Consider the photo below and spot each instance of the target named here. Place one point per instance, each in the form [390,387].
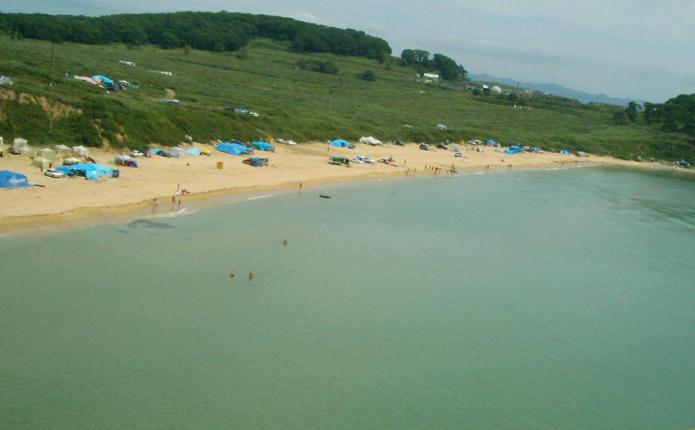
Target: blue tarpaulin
[339,143]
[490,142]
[194,151]
[262,145]
[88,170]
[565,152]
[233,148]
[103,79]
[9,179]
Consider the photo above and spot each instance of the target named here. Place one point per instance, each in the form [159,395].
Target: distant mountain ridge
[557,90]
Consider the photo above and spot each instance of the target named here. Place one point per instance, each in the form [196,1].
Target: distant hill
[557,90]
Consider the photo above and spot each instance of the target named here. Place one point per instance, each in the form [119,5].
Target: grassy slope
[292,103]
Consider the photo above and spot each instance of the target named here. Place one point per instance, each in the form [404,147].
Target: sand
[158,177]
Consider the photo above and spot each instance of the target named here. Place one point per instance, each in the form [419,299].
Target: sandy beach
[159,178]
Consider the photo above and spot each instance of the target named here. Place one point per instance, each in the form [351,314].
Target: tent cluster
[234,148]
[514,149]
[237,147]
[91,171]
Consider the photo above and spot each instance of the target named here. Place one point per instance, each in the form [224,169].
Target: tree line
[221,31]
[677,114]
[423,61]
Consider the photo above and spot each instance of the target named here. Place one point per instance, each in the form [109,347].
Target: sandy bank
[158,177]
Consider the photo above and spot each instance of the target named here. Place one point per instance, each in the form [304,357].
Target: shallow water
[544,300]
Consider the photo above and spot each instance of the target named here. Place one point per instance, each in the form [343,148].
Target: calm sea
[515,300]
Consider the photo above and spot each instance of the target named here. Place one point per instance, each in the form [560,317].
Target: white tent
[20,146]
[62,149]
[80,151]
[47,153]
[42,162]
[371,141]
[177,152]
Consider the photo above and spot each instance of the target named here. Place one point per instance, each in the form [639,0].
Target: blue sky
[627,48]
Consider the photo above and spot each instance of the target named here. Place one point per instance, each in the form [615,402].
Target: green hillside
[291,102]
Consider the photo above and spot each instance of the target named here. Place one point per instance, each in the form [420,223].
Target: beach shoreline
[63,203]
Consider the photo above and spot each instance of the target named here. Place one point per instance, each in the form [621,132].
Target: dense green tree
[222,31]
[631,111]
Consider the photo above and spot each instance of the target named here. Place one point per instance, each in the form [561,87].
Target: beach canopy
[565,152]
[262,145]
[339,143]
[88,170]
[9,179]
[194,151]
[233,148]
[490,142]
[455,147]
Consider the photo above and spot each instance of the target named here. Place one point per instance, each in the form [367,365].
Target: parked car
[135,153]
[53,173]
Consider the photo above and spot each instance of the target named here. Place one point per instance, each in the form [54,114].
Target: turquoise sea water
[524,300]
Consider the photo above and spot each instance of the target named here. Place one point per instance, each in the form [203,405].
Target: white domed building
[496,90]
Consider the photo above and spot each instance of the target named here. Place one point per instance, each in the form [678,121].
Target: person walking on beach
[155,205]
[301,184]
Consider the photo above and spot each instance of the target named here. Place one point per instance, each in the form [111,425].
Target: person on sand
[301,184]
[179,204]
[155,205]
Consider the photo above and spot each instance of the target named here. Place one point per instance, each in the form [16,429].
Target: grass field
[292,103]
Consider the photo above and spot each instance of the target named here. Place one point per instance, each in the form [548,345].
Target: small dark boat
[324,196]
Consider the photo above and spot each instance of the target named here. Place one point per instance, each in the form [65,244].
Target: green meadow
[47,105]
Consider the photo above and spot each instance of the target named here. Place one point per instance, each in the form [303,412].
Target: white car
[357,160]
[53,173]
[135,153]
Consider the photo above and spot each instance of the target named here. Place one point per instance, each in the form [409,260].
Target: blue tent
[262,145]
[194,151]
[233,148]
[10,179]
[565,152]
[490,142]
[339,143]
[88,170]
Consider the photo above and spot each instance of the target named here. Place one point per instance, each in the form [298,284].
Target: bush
[367,75]
[318,66]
